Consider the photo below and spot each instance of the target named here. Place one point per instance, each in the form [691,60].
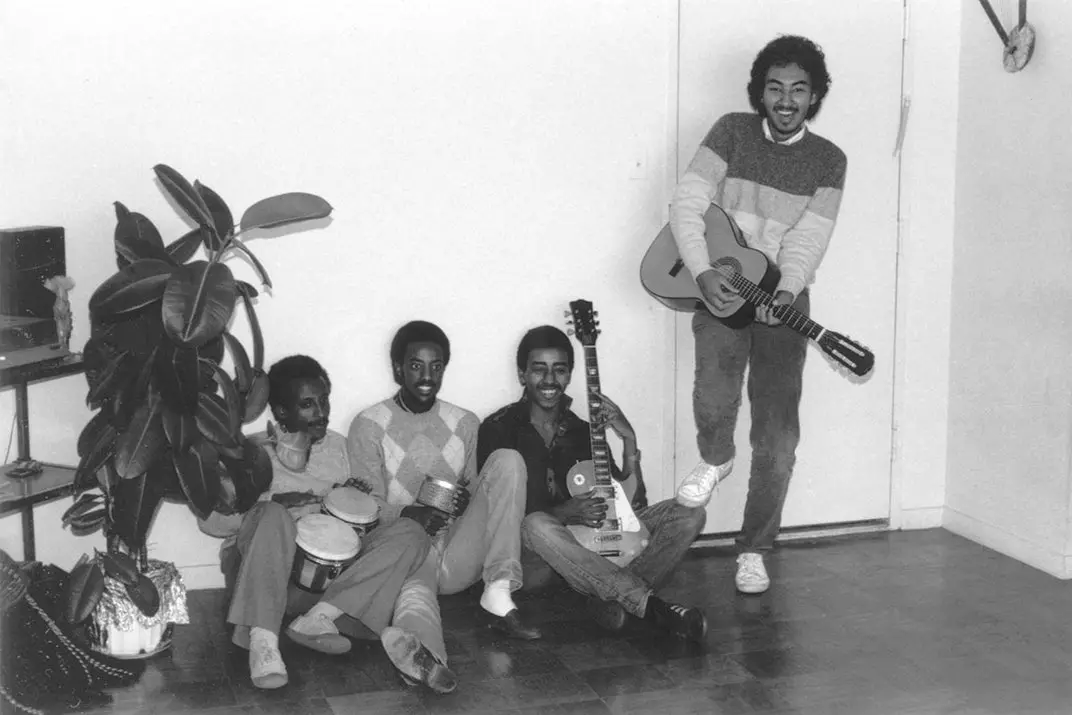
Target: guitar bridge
[676,268]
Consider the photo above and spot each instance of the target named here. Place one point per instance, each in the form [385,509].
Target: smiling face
[546,377]
[307,408]
[421,375]
[787,97]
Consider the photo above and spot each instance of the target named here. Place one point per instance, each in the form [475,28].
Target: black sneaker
[608,615]
[682,621]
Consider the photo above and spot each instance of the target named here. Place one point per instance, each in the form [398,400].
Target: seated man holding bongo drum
[309,461]
[413,440]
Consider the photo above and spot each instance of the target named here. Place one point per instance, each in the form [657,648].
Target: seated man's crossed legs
[616,592]
[366,590]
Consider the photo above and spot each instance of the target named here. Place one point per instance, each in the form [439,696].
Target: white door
[842,472]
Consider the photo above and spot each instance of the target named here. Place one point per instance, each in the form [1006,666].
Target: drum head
[352,505]
[327,538]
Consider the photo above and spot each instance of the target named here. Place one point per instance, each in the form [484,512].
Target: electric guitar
[752,274]
[622,536]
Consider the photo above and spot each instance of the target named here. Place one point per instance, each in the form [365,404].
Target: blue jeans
[775,361]
[551,548]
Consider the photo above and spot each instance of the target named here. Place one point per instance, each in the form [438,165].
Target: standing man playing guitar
[782,185]
[551,440]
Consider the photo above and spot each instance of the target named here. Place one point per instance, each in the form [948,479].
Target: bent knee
[538,523]
[506,464]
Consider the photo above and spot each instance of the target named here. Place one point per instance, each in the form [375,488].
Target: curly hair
[790,50]
[285,372]
[418,331]
[545,336]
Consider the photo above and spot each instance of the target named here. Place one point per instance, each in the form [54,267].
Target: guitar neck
[598,435]
[786,313]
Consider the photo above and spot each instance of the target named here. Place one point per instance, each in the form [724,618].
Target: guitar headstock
[584,321]
[847,352]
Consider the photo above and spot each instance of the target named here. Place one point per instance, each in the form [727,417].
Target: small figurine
[61,310]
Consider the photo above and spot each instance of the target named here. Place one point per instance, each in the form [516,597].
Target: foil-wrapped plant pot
[118,628]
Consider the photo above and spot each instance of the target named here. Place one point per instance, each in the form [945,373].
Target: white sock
[263,635]
[496,599]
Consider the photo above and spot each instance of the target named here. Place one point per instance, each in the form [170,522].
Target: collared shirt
[787,142]
[547,466]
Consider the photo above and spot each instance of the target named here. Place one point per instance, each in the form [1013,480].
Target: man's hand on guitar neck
[765,315]
[586,510]
[716,289]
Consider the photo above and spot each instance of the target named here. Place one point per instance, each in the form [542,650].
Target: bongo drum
[353,506]
[438,494]
[326,546]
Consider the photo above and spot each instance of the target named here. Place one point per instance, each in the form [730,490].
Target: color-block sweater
[393,450]
[784,197]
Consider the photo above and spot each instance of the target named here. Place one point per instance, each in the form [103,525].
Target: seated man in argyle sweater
[394,445]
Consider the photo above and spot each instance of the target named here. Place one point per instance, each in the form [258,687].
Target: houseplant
[168,413]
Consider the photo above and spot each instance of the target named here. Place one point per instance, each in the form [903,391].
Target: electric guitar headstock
[846,352]
[584,320]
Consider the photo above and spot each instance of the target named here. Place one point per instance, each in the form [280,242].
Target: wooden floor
[916,622]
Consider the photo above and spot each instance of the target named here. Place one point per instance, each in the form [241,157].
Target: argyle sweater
[784,197]
[393,449]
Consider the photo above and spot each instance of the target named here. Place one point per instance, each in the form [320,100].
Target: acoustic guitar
[622,536]
[752,274]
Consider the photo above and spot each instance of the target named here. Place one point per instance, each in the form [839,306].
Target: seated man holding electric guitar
[579,521]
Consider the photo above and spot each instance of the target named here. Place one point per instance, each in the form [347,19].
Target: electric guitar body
[622,536]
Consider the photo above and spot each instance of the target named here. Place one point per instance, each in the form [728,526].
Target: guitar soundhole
[730,263]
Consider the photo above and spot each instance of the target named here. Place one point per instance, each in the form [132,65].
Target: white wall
[928,172]
[1009,426]
[488,162]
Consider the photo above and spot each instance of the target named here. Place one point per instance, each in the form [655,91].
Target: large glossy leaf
[95,457]
[111,378]
[184,194]
[257,265]
[135,503]
[256,398]
[91,432]
[284,209]
[221,214]
[231,398]
[213,420]
[198,302]
[254,327]
[250,475]
[180,430]
[141,443]
[183,249]
[133,394]
[82,505]
[136,237]
[176,377]
[199,475]
[136,286]
[83,591]
[243,370]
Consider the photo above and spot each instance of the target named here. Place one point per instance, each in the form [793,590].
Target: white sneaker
[751,574]
[266,668]
[696,489]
